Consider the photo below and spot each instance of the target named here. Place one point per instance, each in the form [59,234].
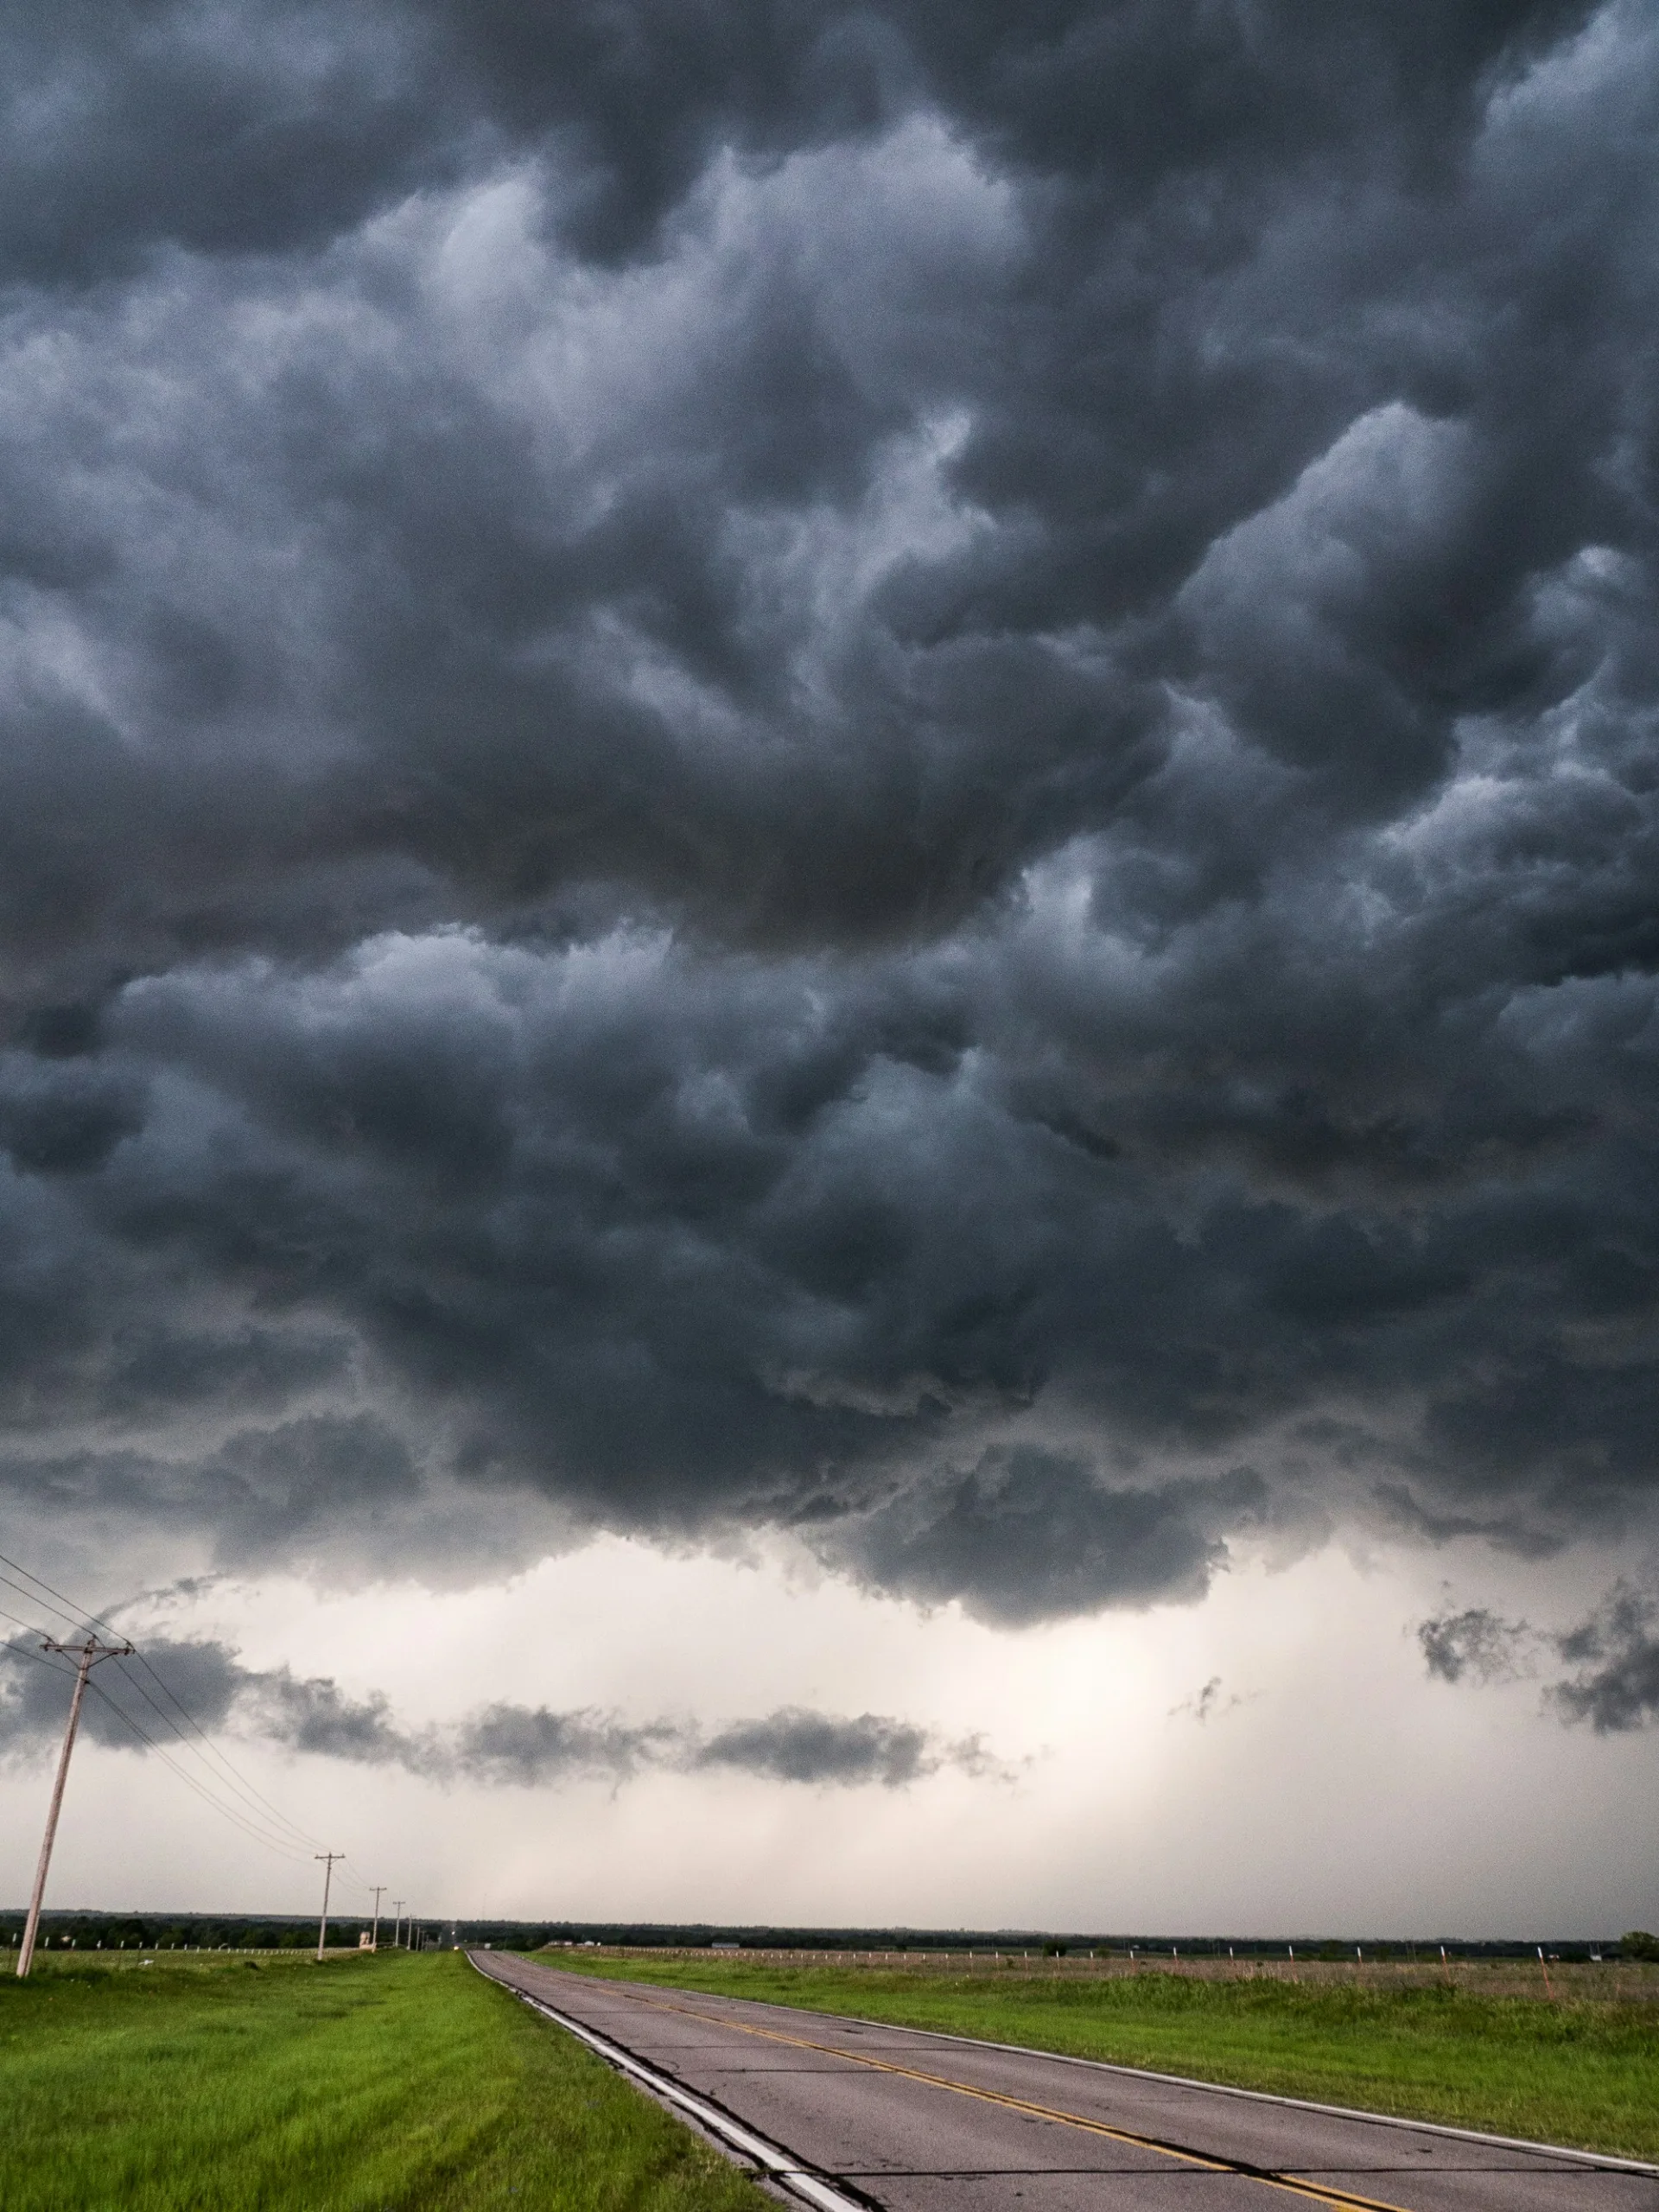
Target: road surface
[856,2114]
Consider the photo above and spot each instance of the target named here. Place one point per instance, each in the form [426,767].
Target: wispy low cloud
[504,1745]
[1209,1704]
[1614,1655]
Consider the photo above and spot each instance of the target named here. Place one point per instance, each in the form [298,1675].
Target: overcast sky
[829,896]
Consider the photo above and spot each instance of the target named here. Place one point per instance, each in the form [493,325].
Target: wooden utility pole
[327,1859]
[380,1891]
[86,1656]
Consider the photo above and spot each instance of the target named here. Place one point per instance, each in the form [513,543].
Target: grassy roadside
[1580,2073]
[365,2084]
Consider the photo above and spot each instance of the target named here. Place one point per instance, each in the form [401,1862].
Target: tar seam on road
[1319,2192]
[779,2164]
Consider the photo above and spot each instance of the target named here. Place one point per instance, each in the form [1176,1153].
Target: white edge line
[773,2159]
[1601,2158]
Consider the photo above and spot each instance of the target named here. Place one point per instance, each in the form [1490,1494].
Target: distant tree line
[88,1931]
[660,1936]
[270,1931]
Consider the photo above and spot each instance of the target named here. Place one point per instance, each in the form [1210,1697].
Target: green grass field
[1580,2073]
[363,2085]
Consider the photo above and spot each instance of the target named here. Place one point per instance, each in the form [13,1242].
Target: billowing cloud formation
[796,1746]
[883,772]
[204,1682]
[1615,1652]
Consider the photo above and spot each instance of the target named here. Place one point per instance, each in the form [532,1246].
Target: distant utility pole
[86,1656]
[396,1922]
[327,1859]
[380,1891]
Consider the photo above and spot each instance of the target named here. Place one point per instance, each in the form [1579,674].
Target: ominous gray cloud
[795,1745]
[529,1744]
[883,772]
[527,1747]
[1614,1652]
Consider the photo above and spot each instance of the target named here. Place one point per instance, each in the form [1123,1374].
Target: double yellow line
[1319,2192]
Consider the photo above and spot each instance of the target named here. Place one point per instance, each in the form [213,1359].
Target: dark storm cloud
[127,1703]
[1615,1652]
[793,1746]
[269,1492]
[1614,1655]
[529,1746]
[1030,1534]
[314,1715]
[885,773]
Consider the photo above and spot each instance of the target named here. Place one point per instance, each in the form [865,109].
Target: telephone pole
[396,1924]
[86,1656]
[380,1891]
[327,1859]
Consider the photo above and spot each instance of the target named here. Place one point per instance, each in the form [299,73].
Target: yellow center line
[1321,2192]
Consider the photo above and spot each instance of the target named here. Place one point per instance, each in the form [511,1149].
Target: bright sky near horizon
[829,847]
[1325,1785]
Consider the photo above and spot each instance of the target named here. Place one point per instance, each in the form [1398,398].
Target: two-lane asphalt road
[913,2122]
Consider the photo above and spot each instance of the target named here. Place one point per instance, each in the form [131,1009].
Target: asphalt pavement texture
[913,2122]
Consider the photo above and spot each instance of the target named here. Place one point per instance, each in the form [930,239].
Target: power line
[230,1812]
[91,1619]
[223,1757]
[244,1789]
[77,1617]
[280,1844]
[273,1842]
[250,1796]
[253,1823]
[74,1619]
[21,1651]
[33,1628]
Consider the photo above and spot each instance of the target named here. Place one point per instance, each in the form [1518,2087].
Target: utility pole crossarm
[86,1656]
